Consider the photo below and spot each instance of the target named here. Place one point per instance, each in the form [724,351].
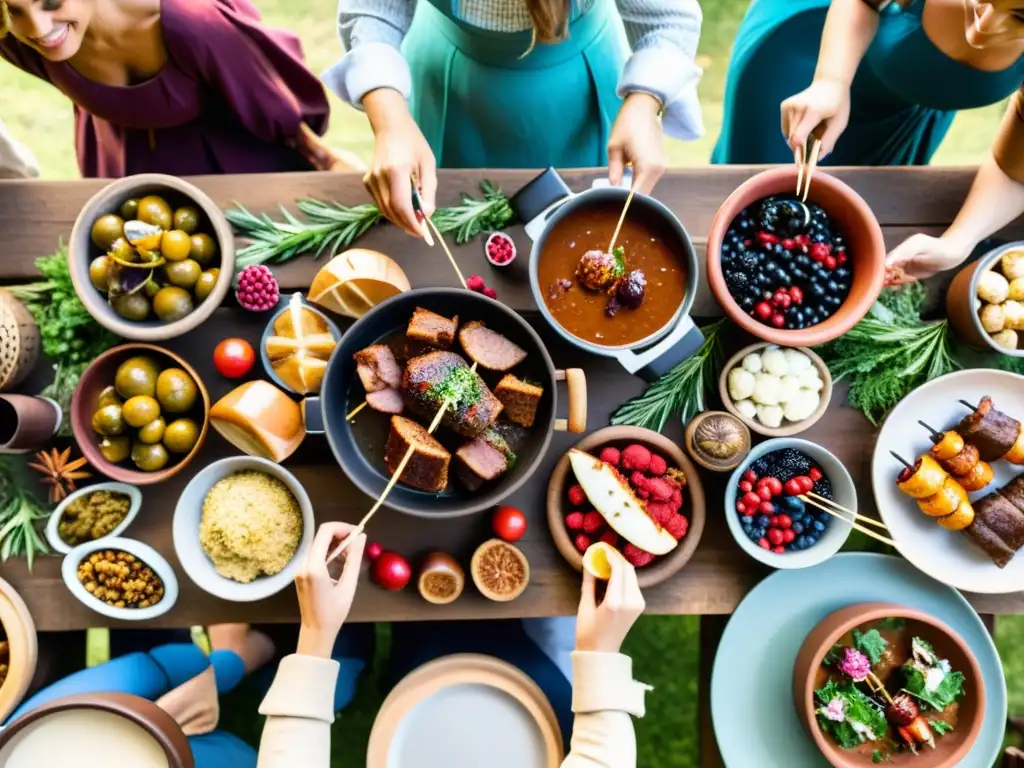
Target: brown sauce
[650,245]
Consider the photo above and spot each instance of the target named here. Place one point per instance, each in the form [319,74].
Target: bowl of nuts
[99,511]
[121,579]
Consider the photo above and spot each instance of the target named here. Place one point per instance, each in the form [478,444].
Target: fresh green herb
[862,720]
[892,623]
[833,655]
[22,516]
[619,254]
[460,387]
[62,389]
[684,388]
[948,691]
[923,651]
[877,756]
[941,727]
[870,643]
[473,216]
[891,352]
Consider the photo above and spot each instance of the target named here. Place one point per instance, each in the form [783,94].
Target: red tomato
[509,523]
[233,358]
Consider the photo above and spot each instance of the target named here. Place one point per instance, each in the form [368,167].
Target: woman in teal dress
[516,84]
[888,81]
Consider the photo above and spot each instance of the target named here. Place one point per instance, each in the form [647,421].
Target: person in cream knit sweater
[300,704]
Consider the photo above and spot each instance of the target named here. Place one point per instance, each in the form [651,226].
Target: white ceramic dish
[145,553]
[133,493]
[843,491]
[944,555]
[189,511]
[487,249]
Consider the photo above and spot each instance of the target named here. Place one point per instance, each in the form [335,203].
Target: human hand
[825,106]
[637,138]
[324,605]
[324,157]
[400,154]
[921,256]
[604,627]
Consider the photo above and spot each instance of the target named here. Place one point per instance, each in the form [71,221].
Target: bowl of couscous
[242,527]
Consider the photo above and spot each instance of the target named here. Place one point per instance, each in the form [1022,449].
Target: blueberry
[762,279]
[803,260]
[817,290]
[841,273]
[770,266]
[798,528]
[835,301]
[796,505]
[832,286]
[762,520]
[801,542]
[819,526]
[747,303]
[783,276]
[819,237]
[838,241]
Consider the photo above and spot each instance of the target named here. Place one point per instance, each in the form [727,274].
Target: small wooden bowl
[19,341]
[788,429]
[100,374]
[708,462]
[22,649]
[693,499]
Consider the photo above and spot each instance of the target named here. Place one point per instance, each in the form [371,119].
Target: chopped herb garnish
[945,693]
[870,643]
[461,387]
[941,727]
[877,756]
[833,655]
[892,623]
[848,715]
[619,253]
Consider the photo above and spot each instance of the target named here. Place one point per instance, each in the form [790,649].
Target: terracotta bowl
[693,499]
[949,749]
[143,713]
[788,428]
[100,374]
[81,251]
[864,244]
[22,649]
[960,302]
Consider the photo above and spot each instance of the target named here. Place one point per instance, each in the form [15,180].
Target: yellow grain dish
[251,526]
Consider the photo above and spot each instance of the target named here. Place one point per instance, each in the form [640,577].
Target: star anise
[60,473]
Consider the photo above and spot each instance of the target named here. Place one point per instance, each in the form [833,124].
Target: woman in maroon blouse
[184,87]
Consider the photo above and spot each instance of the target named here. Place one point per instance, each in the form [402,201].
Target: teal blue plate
[752,707]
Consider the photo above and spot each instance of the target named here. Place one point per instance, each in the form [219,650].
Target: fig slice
[500,570]
[441,579]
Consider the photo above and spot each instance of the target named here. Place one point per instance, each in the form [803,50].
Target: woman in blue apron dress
[884,97]
[516,84]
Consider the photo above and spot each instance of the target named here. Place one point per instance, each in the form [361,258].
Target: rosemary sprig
[21,517]
[473,216]
[684,388]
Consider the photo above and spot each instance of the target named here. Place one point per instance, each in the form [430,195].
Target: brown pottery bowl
[81,251]
[100,374]
[855,220]
[22,649]
[960,302]
[951,748]
[693,499]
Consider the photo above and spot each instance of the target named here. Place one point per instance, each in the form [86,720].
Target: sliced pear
[299,322]
[622,510]
[319,344]
[281,346]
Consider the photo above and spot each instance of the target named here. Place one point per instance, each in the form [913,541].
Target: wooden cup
[27,422]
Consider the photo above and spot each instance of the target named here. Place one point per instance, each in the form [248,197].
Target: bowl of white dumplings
[985,302]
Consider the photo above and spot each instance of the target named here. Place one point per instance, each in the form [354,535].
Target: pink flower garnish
[855,665]
[835,711]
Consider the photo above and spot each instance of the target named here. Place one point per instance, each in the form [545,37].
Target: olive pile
[130,414]
[155,260]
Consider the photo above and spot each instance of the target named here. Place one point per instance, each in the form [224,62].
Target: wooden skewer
[811,165]
[936,435]
[854,523]
[354,411]
[901,460]
[622,218]
[798,158]
[972,407]
[448,253]
[862,518]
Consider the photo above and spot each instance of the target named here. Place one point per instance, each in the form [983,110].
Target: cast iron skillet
[359,445]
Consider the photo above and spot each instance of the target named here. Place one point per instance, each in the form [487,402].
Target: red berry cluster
[645,472]
[755,497]
[782,299]
[500,248]
[476,284]
[257,288]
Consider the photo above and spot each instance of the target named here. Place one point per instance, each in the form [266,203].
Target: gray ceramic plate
[752,707]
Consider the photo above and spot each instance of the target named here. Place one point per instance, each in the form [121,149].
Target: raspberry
[677,499]
[582,542]
[475,283]
[660,488]
[592,522]
[643,493]
[373,551]
[490,293]
[577,497]
[767,238]
[611,538]
[636,556]
[820,251]
[636,457]
[658,465]
[638,480]
[677,526]
[610,455]
[661,513]
[803,240]
[574,521]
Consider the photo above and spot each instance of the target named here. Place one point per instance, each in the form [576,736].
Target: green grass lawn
[664,648]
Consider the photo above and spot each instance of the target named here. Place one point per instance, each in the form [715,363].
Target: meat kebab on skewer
[961,459]
[937,494]
[996,435]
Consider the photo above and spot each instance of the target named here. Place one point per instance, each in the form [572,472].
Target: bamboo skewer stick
[854,523]
[811,165]
[448,253]
[861,518]
[622,218]
[968,405]
[354,411]
[901,460]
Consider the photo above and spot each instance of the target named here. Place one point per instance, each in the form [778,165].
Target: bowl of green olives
[140,413]
[151,256]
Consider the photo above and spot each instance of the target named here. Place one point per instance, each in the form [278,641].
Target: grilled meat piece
[998,526]
[428,467]
[992,431]
[478,462]
[520,399]
[489,349]
[386,400]
[426,382]
[377,368]
[432,328]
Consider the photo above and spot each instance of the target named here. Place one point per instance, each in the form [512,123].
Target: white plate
[947,556]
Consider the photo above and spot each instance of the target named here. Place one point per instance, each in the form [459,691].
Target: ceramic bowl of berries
[771,503]
[791,273]
[633,489]
[499,249]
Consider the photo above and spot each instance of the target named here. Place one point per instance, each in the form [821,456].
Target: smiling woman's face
[52,27]
[993,22]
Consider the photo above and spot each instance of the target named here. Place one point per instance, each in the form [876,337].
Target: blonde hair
[5,19]
[550,20]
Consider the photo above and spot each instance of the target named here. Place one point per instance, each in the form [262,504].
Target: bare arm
[850,26]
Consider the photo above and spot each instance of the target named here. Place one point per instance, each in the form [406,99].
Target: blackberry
[792,461]
[823,488]
[737,281]
[747,260]
[760,466]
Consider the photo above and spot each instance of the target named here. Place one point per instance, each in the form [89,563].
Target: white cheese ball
[789,385]
[746,408]
[797,360]
[770,415]
[992,318]
[774,362]
[811,379]
[802,406]
[1017,289]
[752,363]
[766,389]
[1006,339]
[993,287]
[1013,264]
[741,384]
[1013,314]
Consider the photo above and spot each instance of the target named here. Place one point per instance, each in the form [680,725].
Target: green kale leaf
[870,643]
[941,727]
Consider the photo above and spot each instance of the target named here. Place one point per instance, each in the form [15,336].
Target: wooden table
[35,215]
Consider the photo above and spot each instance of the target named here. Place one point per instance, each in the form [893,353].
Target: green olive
[123,250]
[176,245]
[115,449]
[203,248]
[130,209]
[205,284]
[140,411]
[176,391]
[181,435]
[108,420]
[152,288]
[172,303]
[149,458]
[155,210]
[99,273]
[184,274]
[109,396]
[131,306]
[152,432]
[106,229]
[186,219]
[137,376]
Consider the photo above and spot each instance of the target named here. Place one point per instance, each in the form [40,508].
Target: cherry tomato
[509,523]
[233,358]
